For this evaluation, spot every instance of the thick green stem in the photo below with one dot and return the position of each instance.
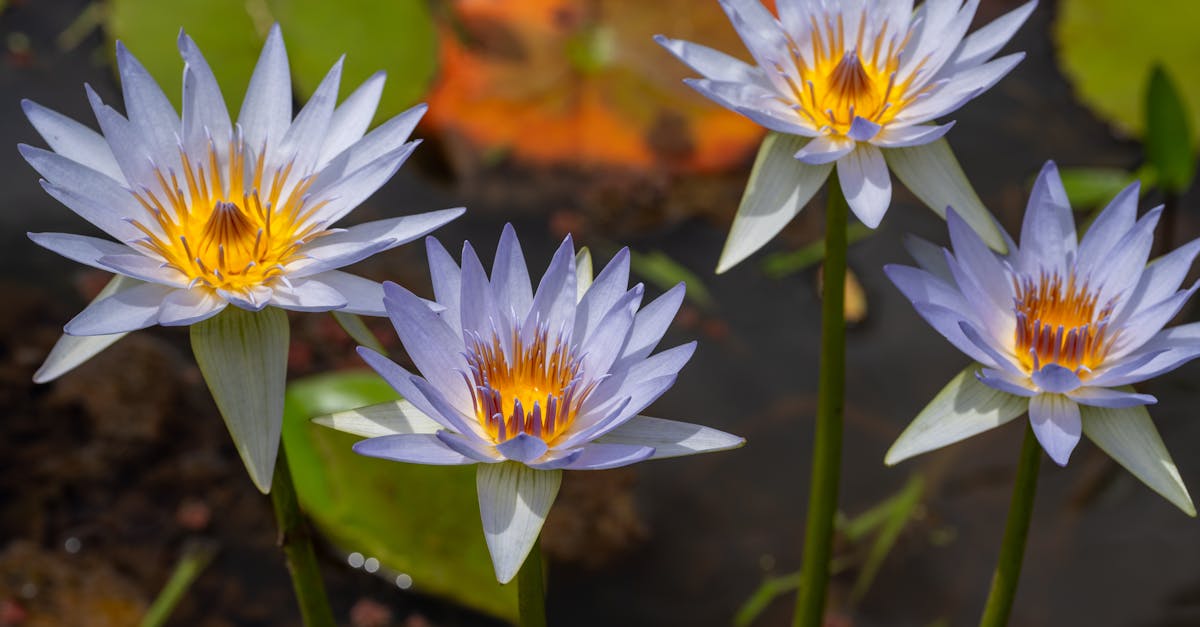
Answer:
(531, 594)
(1016, 530)
(295, 538)
(827, 443)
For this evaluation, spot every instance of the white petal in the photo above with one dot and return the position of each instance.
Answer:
(711, 63)
(363, 297)
(360, 241)
(204, 111)
(779, 187)
(583, 272)
(513, 502)
(70, 351)
(80, 248)
(825, 149)
(346, 193)
(352, 118)
(307, 295)
(649, 325)
(129, 148)
(267, 109)
(865, 181)
(185, 307)
(906, 136)
(965, 407)
(149, 110)
(73, 140)
(93, 196)
(982, 44)
(958, 90)
(243, 357)
(932, 174)
(308, 130)
(391, 418)
(1129, 437)
(127, 310)
(670, 438)
(388, 138)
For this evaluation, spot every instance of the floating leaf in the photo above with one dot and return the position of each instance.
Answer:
(1108, 47)
(1169, 139)
(419, 520)
(393, 35)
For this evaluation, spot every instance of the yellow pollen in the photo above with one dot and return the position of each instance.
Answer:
(840, 82)
(1058, 323)
(530, 387)
(216, 228)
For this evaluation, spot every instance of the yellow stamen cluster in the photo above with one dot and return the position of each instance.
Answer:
(841, 83)
(535, 387)
(216, 228)
(1058, 322)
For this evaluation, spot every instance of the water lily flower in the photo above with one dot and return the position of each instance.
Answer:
(527, 383)
(205, 213)
(859, 84)
(1060, 328)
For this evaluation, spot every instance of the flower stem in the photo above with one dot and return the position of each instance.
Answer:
(1016, 530)
(531, 594)
(827, 442)
(295, 538)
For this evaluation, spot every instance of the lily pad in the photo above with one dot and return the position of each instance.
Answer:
(1109, 47)
(393, 35)
(419, 520)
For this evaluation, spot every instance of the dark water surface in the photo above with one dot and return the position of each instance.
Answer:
(1103, 550)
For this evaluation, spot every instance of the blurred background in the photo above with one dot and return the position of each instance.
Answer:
(563, 116)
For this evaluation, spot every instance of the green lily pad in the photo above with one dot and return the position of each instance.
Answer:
(393, 35)
(1109, 47)
(419, 520)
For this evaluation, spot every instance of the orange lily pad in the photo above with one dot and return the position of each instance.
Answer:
(583, 83)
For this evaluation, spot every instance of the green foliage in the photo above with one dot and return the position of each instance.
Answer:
(419, 520)
(1108, 47)
(781, 264)
(660, 270)
(1169, 139)
(1088, 188)
(393, 35)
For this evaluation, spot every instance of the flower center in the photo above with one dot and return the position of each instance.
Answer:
(218, 230)
(533, 387)
(1058, 323)
(839, 82)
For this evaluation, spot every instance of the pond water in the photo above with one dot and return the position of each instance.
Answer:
(1103, 550)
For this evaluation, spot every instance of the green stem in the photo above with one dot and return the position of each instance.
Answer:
(827, 442)
(295, 539)
(531, 594)
(1016, 530)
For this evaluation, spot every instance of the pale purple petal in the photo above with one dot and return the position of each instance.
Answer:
(984, 43)
(862, 129)
(670, 438)
(510, 275)
(363, 297)
(523, 448)
(80, 248)
(554, 302)
(649, 325)
(300, 143)
(93, 196)
(360, 241)
(949, 323)
(447, 282)
(204, 112)
(388, 138)
(1120, 272)
(712, 63)
(1048, 231)
(1161, 279)
(607, 288)
(148, 109)
(1113, 399)
(480, 308)
(413, 448)
(597, 456)
(1055, 420)
(866, 182)
(434, 347)
(472, 447)
(307, 295)
(402, 380)
(143, 268)
(1006, 382)
(1109, 228)
(1055, 379)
